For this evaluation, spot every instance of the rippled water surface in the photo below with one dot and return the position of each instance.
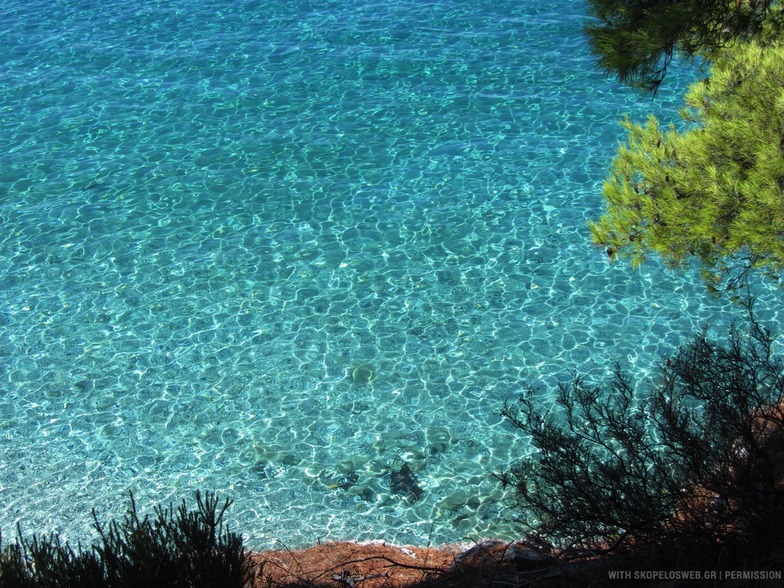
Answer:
(282, 249)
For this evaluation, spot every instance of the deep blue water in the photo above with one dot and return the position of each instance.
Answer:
(214, 212)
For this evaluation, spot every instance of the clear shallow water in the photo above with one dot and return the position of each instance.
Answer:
(213, 213)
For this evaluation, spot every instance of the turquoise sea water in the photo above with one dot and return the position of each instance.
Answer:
(213, 213)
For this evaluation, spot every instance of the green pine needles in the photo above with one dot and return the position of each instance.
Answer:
(177, 548)
(714, 191)
(636, 40)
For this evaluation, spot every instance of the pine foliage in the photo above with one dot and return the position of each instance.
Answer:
(636, 40)
(715, 190)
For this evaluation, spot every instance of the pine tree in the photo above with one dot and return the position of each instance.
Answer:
(713, 191)
(637, 39)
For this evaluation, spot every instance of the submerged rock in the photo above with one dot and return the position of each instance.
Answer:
(404, 483)
(438, 439)
(335, 479)
(267, 470)
(363, 374)
(456, 500)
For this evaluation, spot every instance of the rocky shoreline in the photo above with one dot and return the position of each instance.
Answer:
(376, 563)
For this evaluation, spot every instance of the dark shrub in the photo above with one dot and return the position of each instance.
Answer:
(693, 464)
(175, 548)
